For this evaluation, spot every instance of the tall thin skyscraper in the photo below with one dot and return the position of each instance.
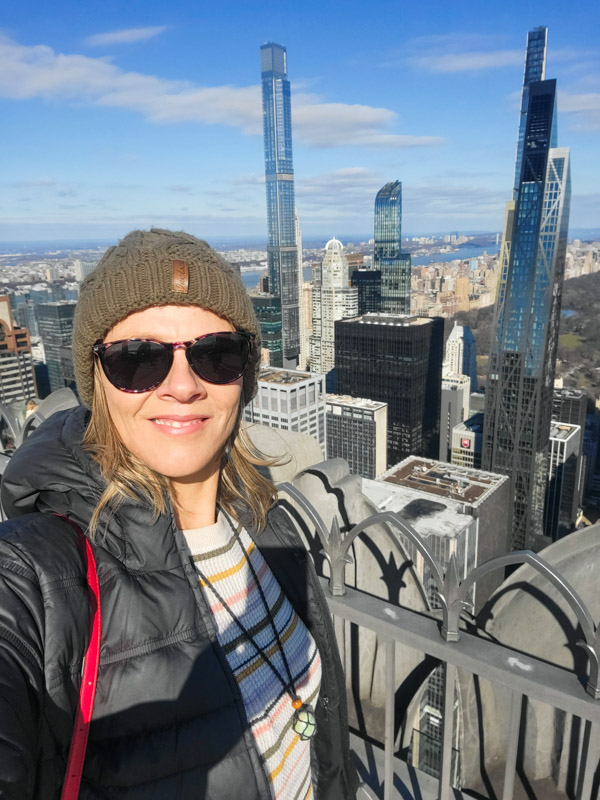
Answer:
(304, 331)
(387, 252)
(535, 69)
(526, 318)
(282, 253)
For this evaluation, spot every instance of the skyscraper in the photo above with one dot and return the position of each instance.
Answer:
(332, 300)
(397, 360)
(526, 317)
(565, 478)
(454, 408)
(387, 252)
(17, 381)
(357, 432)
(304, 330)
(368, 284)
(282, 253)
(535, 68)
(291, 400)
(268, 313)
(56, 330)
(461, 354)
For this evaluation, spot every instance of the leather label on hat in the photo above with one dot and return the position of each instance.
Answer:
(181, 276)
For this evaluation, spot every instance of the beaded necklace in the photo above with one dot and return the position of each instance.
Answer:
(305, 723)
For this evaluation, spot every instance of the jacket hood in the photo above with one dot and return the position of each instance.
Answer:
(52, 473)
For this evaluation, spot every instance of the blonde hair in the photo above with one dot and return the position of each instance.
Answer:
(127, 476)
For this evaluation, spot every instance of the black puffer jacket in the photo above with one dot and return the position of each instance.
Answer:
(169, 721)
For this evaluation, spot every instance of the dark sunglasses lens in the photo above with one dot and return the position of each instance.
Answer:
(220, 357)
(136, 366)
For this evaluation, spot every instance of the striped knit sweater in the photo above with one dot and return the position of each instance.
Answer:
(220, 559)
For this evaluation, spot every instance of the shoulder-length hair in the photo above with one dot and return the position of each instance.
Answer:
(127, 476)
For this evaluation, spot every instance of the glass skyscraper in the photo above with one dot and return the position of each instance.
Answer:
(395, 360)
(387, 253)
(282, 253)
(535, 69)
(527, 315)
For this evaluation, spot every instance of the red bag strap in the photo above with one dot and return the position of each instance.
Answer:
(89, 678)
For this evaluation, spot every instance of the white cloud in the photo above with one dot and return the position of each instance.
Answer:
(180, 188)
(454, 200)
(325, 125)
(345, 198)
(584, 107)
(250, 180)
(349, 191)
(470, 61)
(457, 52)
(460, 52)
(42, 183)
(39, 72)
(125, 36)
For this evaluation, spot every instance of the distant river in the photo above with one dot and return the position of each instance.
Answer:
(462, 252)
(250, 279)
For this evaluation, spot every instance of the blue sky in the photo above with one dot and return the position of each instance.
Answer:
(119, 115)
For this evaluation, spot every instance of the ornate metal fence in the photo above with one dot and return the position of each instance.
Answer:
(524, 677)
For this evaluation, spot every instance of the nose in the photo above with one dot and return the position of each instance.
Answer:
(182, 383)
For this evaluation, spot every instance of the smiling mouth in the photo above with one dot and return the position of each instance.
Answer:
(179, 424)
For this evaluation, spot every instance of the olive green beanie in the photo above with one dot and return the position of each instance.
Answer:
(155, 268)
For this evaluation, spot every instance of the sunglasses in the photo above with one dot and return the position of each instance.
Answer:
(140, 365)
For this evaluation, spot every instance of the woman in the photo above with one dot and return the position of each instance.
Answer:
(217, 646)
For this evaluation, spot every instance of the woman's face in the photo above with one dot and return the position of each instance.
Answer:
(180, 428)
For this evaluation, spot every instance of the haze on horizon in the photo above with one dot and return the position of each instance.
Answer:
(138, 117)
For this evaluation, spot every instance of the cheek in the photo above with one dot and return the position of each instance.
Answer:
(231, 406)
(122, 408)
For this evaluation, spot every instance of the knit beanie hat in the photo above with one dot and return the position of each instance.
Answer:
(155, 268)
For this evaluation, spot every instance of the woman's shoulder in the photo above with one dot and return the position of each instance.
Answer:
(41, 543)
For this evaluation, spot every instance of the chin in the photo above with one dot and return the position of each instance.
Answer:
(186, 470)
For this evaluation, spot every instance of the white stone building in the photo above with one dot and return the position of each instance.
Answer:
(332, 300)
(291, 400)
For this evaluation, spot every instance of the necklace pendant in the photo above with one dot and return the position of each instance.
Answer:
(305, 723)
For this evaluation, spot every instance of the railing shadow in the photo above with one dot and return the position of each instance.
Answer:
(334, 546)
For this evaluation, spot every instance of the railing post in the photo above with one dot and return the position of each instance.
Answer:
(390, 711)
(447, 732)
(516, 702)
(588, 761)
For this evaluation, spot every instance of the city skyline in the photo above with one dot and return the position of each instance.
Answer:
(121, 120)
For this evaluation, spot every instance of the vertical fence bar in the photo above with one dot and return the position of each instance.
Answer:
(447, 732)
(516, 702)
(390, 709)
(588, 761)
(339, 626)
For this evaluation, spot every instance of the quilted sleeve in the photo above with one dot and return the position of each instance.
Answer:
(21, 674)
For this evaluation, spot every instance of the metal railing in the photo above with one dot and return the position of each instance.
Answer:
(525, 678)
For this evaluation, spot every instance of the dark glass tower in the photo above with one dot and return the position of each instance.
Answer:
(387, 253)
(526, 318)
(282, 253)
(535, 68)
(368, 283)
(268, 313)
(396, 360)
(56, 329)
